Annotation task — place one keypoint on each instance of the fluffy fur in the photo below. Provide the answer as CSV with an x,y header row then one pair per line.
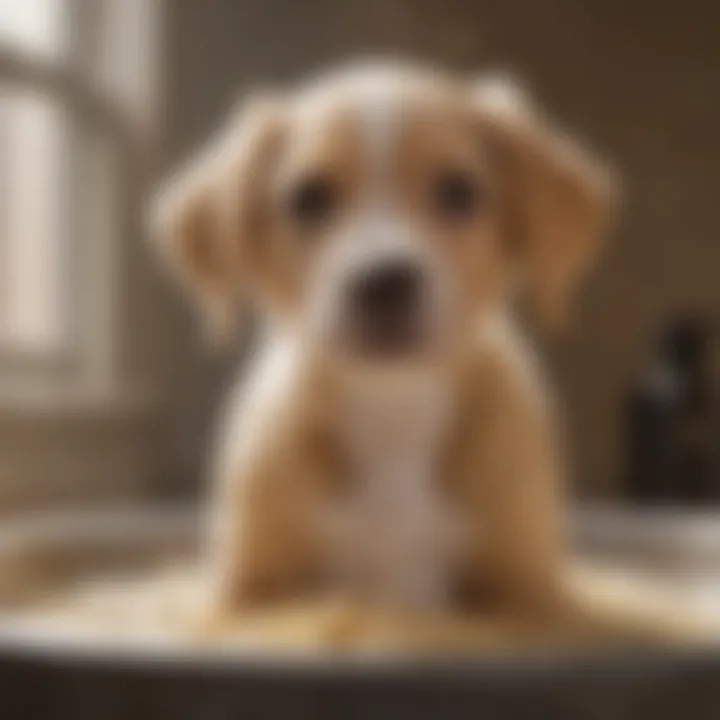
x,y
432,480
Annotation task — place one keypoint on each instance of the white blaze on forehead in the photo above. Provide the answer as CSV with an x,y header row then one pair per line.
x,y
379,108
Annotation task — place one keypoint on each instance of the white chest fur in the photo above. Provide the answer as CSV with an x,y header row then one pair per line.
x,y
392,537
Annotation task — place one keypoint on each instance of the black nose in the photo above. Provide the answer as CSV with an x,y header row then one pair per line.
x,y
389,289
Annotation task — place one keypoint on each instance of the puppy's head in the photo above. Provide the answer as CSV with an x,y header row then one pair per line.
x,y
378,212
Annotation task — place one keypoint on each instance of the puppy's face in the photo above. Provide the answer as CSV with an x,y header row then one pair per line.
x,y
378,213
383,214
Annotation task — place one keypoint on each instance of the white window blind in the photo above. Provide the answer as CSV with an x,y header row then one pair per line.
x,y
33,173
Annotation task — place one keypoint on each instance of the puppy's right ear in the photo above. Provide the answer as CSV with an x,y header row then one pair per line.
x,y
207,218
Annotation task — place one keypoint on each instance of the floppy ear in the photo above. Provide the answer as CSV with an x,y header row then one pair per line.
x,y
556,197
207,217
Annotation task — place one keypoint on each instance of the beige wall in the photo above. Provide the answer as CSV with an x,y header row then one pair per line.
x,y
639,80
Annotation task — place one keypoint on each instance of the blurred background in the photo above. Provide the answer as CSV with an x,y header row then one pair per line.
x,y
106,389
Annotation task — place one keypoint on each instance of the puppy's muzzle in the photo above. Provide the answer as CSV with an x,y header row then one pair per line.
x,y
387,301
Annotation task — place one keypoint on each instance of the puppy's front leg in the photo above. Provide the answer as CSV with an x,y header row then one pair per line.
x,y
260,549
511,484
517,554
258,553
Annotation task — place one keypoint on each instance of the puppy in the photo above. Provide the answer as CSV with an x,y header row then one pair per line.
x,y
393,440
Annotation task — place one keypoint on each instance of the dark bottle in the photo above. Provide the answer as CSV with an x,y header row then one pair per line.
x,y
673,447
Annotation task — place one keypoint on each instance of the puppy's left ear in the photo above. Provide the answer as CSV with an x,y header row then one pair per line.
x,y
556,199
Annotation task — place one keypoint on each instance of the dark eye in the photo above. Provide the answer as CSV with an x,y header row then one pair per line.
x,y
313,200
457,195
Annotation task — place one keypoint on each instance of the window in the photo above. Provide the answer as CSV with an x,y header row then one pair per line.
x,y
33,141
78,94
75,83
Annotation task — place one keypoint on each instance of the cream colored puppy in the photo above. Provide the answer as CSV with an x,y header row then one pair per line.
x,y
393,440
